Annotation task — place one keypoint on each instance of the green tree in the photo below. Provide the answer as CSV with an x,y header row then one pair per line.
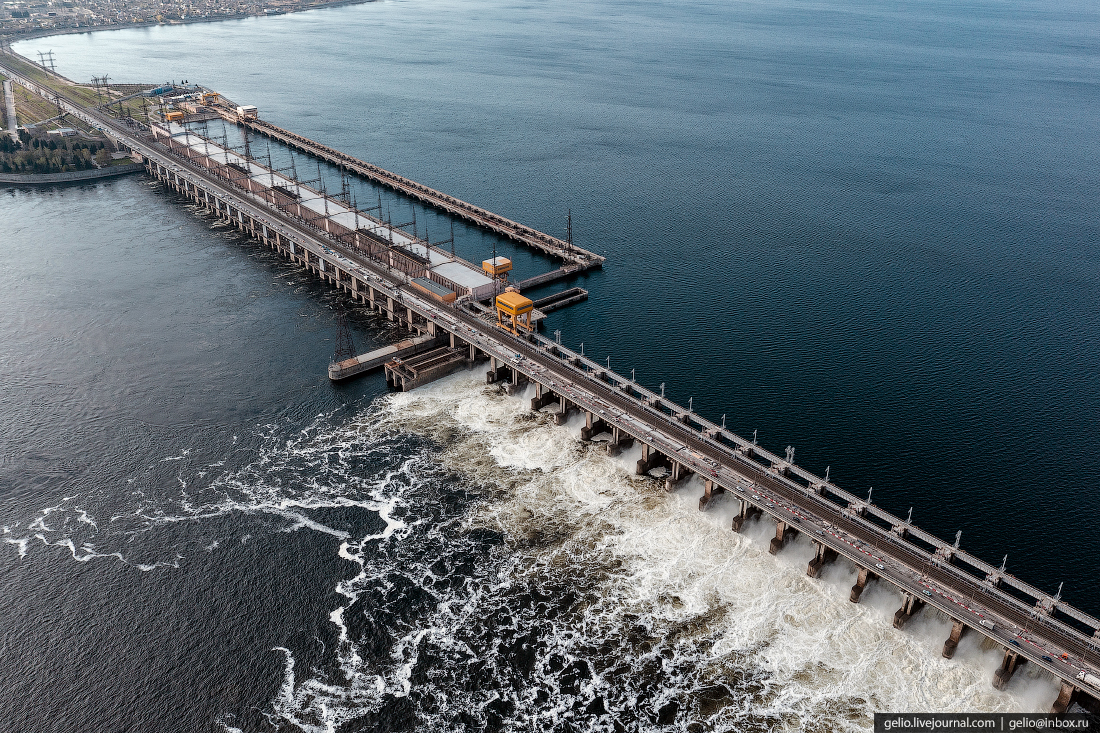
x,y
103,157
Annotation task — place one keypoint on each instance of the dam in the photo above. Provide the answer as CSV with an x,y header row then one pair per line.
x,y
1031,625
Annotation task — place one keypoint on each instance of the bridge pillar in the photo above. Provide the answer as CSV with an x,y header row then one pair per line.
x,y
958,628
678,474
389,308
518,380
592,426
1066,697
909,605
619,440
493,375
710,490
563,411
1009,664
649,460
861,583
747,512
783,532
824,554
541,398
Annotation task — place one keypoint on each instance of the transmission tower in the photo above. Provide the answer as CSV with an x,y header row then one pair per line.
x,y
569,228
45,60
345,347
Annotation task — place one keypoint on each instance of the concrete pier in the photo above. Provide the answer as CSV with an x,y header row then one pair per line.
x,y
783,532
1009,664
406,374
910,604
650,459
958,628
563,412
377,358
619,441
593,426
679,473
1067,695
711,490
747,512
824,555
864,576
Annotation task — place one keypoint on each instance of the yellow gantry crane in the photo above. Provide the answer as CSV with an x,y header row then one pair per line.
x,y
514,311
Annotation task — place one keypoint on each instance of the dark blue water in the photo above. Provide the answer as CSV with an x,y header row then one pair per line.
x,y
866,230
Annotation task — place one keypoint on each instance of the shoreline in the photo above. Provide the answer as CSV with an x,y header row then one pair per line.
x,y
39,179
12,38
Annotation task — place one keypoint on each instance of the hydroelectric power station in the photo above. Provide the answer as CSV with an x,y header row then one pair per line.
x,y
457,317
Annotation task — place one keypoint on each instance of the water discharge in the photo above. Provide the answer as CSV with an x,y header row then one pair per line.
x,y
569,594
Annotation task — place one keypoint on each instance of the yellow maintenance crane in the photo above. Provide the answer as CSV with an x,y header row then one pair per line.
x,y
514,311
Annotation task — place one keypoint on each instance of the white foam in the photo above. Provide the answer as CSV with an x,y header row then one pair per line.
x,y
823,657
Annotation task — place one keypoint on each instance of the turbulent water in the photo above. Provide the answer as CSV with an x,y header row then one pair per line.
x,y
866,230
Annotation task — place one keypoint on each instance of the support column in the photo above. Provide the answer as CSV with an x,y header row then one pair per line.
x,y
1066,697
543,397
783,532
710,491
958,628
909,605
1009,665
518,380
615,446
824,555
563,412
389,308
747,512
648,461
493,374
861,583
592,426
679,473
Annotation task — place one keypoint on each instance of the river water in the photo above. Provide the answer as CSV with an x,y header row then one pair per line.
x,y
866,230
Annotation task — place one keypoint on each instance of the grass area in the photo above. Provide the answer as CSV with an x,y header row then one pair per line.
x,y
31,108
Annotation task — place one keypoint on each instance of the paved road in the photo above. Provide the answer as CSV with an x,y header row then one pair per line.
x,y
9,104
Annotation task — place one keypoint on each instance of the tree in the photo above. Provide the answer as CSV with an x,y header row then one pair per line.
x,y
103,157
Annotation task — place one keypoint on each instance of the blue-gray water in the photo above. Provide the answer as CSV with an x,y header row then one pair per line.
x,y
867,230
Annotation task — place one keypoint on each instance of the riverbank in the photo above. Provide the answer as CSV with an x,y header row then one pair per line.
x,y
38,179
15,37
